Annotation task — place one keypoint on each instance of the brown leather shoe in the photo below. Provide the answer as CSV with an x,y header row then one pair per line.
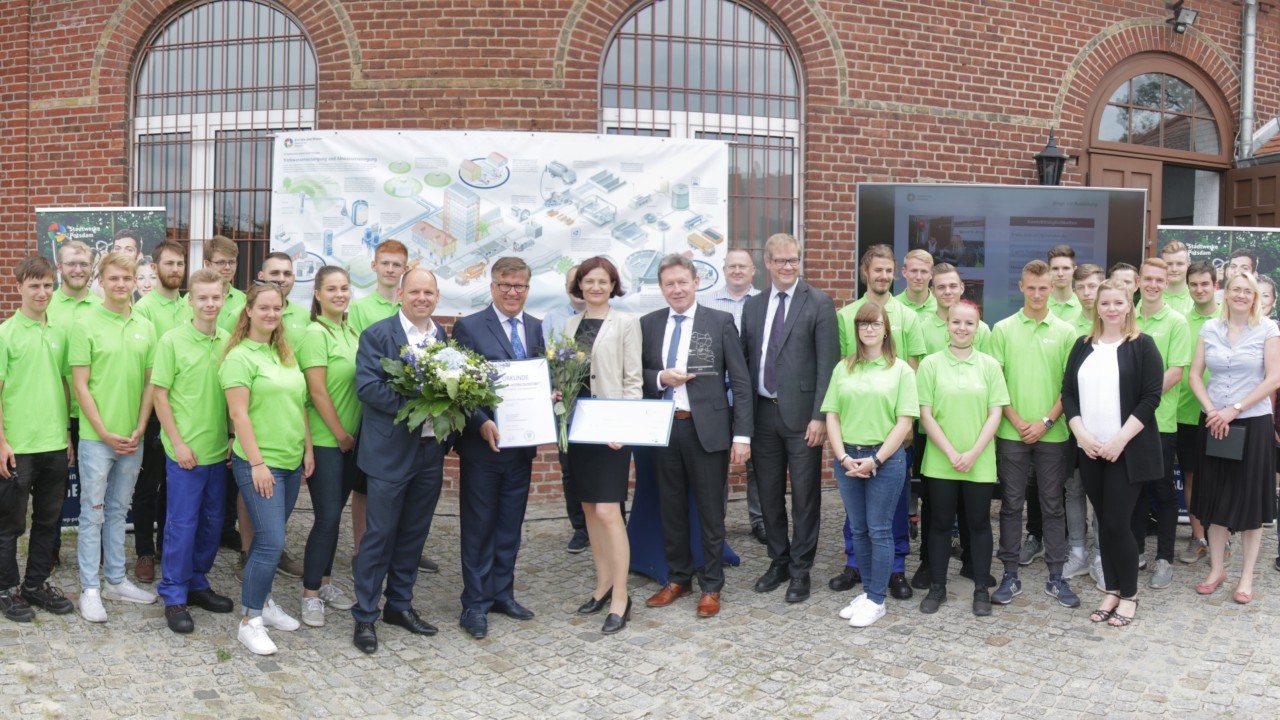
x,y
709,605
668,594
145,569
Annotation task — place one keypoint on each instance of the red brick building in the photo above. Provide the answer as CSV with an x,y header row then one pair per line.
x,y
161,102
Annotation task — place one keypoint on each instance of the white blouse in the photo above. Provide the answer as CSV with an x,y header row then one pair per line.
x,y
1099,381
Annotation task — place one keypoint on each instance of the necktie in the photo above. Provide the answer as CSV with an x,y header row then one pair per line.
x,y
517,347
672,354
775,344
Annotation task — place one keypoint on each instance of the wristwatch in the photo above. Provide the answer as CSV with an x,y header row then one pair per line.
x,y
1048,424
1237,407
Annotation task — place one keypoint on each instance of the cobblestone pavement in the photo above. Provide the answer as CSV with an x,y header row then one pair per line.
x,y
1186,656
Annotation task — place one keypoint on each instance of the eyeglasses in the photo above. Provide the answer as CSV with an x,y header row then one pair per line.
x,y
1241,291
223,263
786,262
272,283
877,325
511,287
737,267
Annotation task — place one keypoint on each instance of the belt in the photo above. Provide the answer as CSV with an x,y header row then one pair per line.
x,y
766,398
683,415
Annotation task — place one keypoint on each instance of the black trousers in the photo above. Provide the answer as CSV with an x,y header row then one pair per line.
x,y
148,493
1166,506
926,510
572,505
42,479
972,500
682,469
1113,497
777,451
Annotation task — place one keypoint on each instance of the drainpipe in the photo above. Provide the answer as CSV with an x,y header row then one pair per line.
x,y
1248,57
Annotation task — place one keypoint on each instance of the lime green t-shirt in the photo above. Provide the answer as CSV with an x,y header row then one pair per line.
x,y
1182,302
936,336
870,399
333,348
960,394
295,319
33,368
164,314
1173,339
928,307
1066,311
904,326
1188,406
118,352
369,310
186,365
277,402
1034,357
232,306
63,311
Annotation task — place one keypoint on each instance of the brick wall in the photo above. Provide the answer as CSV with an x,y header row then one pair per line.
x,y
949,90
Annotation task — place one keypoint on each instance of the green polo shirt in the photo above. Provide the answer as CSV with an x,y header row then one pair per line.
x,y
1169,329
936,336
1034,357
369,310
277,402
295,319
118,352
1083,325
1188,406
870,399
903,324
961,393
63,311
164,314
1181,302
1067,311
929,307
333,348
33,365
232,305
186,365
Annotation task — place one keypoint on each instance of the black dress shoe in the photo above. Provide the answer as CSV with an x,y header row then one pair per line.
x,y
427,565
593,606
899,587
409,620
513,610
798,590
966,571
615,623
210,601
845,581
179,619
923,577
365,638
772,578
757,531
475,622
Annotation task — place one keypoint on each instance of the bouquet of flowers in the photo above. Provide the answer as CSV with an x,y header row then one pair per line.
x,y
570,366
445,384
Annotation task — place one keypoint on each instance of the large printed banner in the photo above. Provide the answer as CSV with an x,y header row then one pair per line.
x,y
1216,244
97,227
460,200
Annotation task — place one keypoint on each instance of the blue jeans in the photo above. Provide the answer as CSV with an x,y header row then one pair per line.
x,y
106,487
194,502
269,516
870,504
330,487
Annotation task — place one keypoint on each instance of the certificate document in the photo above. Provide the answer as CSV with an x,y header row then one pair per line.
x,y
525,417
629,422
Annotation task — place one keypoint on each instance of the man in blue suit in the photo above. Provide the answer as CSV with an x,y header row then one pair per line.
x,y
405,468
494,485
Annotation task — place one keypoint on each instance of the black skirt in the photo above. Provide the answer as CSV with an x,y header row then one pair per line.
x,y
1238,494
599,473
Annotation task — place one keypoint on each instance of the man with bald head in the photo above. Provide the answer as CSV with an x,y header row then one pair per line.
x,y
405,467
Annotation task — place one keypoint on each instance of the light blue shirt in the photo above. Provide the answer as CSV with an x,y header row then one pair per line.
x,y
722,300
1235,371
555,320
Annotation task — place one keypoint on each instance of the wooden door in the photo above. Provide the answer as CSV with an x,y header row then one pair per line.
x,y
1128,172
1252,198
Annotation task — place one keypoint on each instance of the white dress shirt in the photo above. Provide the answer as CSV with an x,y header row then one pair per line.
x,y
768,329
679,393
506,326
416,336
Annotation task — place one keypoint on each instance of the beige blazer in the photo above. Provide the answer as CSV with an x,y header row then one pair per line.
x,y
615,358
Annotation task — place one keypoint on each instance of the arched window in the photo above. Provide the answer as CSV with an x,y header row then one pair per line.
x,y
214,81
719,70
1160,110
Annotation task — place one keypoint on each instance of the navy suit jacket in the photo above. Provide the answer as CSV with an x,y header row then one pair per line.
x,y
387,449
484,333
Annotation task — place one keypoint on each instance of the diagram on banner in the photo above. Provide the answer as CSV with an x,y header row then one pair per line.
x,y
458,201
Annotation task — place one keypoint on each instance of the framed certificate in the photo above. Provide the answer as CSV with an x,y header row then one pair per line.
x,y
598,421
525,417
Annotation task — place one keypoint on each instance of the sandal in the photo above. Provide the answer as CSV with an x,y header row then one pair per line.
x,y
1118,620
1100,615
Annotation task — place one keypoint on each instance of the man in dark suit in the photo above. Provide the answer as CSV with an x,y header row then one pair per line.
x,y
495,482
686,351
792,343
405,468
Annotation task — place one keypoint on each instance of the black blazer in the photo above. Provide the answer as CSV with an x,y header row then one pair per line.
x,y
713,419
810,350
1141,379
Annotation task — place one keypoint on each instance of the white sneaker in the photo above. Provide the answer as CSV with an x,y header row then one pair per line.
x,y
847,611
1095,572
128,592
334,597
1075,566
866,614
254,636
274,617
91,606
313,611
